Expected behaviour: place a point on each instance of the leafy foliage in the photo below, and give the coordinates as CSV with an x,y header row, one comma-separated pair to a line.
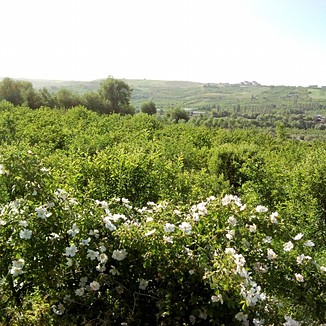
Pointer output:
x,y
110,219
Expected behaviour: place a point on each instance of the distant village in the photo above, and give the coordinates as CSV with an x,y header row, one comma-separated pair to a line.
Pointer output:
x,y
247,83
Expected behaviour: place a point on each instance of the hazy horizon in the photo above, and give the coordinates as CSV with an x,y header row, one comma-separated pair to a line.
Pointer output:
x,y
280,42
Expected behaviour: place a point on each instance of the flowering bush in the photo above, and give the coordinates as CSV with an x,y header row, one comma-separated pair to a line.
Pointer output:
x,y
215,262
72,253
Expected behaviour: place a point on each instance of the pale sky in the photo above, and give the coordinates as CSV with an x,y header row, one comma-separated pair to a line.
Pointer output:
x,y
279,42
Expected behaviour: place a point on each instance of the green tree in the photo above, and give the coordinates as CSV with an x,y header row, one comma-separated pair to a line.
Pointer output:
x,y
116,95
10,91
93,101
30,97
148,107
46,98
176,114
65,98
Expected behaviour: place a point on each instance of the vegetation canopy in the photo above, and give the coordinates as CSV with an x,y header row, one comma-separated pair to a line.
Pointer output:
x,y
156,219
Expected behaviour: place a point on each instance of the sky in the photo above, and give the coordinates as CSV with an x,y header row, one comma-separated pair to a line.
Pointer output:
x,y
273,42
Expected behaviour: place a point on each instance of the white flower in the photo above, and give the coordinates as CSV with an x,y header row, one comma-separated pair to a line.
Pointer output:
x,y
102,203
177,212
83,281
202,315
230,235
17,267
232,221
268,239
217,298
71,251
301,258
323,268
69,262
109,225
290,321
74,230
102,248
243,207
54,236
261,209
101,268
258,322
168,227
80,292
271,254
299,277
119,254
253,228
241,316
191,272
237,201
167,239
185,227
2,169
95,286
260,267
192,319
103,258
85,242
274,216
15,271
239,260
226,200
147,234
25,234
309,243
60,310
62,194
42,212
298,236
23,223
91,254
2,222
288,246
143,284
95,233
253,294
229,251
113,271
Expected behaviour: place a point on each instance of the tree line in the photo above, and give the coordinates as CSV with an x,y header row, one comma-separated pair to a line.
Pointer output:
x,y
113,96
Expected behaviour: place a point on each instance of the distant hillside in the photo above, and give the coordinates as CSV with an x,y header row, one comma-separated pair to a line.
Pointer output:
x,y
199,95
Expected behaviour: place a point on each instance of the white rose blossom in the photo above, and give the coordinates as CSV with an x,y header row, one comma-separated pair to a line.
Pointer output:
x,y
95,286
298,237
309,243
290,321
119,254
232,220
274,216
185,227
80,292
261,209
168,227
91,254
71,251
271,254
25,234
299,277
74,230
288,246
143,284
